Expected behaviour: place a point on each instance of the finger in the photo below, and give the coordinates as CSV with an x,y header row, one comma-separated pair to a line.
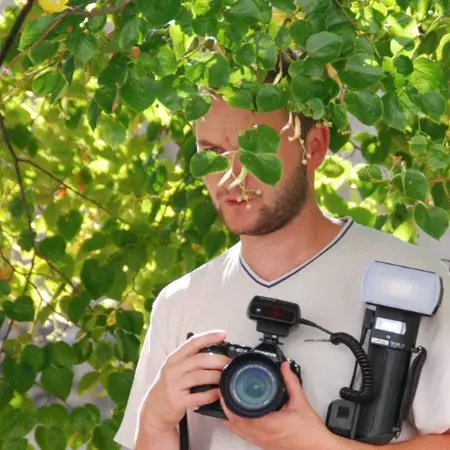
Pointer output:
x,y
202,398
292,383
209,361
200,377
195,343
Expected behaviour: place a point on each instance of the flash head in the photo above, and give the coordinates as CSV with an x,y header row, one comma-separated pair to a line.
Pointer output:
x,y
405,288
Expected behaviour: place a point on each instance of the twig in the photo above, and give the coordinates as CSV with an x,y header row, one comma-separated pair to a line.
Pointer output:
x,y
61,182
19,175
41,38
27,282
7,261
11,323
15,31
439,180
101,12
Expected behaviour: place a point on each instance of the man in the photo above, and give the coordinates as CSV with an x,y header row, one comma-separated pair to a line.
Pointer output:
x,y
288,250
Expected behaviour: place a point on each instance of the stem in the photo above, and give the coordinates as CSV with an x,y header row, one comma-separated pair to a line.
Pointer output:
x,y
61,182
19,175
15,30
101,12
439,180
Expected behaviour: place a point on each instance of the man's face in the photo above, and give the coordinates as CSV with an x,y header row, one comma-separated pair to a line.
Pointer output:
x,y
272,207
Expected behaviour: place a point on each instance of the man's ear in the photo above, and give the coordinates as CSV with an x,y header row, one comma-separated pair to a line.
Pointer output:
x,y
317,143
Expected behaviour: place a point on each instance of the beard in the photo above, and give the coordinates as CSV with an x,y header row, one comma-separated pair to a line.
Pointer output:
x,y
288,205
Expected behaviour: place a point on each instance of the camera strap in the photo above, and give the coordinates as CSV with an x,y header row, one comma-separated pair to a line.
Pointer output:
x,y
184,433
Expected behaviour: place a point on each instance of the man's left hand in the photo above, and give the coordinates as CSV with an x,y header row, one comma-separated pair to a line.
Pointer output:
x,y
294,427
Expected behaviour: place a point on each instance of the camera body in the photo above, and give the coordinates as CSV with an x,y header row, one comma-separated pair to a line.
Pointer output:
x,y
252,384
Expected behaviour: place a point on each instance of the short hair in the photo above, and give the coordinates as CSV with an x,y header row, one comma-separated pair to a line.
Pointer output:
x,y
284,61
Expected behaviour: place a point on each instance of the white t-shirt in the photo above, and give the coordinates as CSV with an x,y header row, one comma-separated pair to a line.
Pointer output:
x,y
327,289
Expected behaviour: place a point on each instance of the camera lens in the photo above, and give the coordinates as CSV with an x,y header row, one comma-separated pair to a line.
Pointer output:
x,y
253,386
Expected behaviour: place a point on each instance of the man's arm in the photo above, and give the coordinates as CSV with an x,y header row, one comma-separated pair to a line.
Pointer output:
x,y
428,442
149,441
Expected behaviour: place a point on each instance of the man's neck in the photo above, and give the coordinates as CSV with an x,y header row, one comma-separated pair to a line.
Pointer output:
x,y
273,255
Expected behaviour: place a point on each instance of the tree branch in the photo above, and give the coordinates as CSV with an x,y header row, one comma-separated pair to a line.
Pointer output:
x,y
61,182
18,174
439,180
101,12
15,30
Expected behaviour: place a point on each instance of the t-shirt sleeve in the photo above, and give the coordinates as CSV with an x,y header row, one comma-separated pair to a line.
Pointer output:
x,y
153,354
431,407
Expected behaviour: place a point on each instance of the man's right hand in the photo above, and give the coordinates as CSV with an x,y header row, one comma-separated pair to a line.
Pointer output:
x,y
169,397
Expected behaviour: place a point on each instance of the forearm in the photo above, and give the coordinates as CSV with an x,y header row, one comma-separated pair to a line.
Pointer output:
x,y
429,442
151,441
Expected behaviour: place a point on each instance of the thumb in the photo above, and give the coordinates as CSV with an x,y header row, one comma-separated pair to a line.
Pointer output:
x,y
292,383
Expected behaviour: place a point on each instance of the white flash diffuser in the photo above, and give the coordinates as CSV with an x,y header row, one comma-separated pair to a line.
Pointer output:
x,y
401,287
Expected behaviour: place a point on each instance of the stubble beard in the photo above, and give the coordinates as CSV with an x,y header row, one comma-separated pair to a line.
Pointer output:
x,y
287,207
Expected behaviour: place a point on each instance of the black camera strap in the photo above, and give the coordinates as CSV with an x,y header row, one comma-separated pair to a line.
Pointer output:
x,y
184,433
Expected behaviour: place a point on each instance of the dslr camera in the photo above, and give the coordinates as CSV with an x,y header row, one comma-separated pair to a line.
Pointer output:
x,y
252,384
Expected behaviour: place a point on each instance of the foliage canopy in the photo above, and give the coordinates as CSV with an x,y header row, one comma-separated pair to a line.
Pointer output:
x,y
95,217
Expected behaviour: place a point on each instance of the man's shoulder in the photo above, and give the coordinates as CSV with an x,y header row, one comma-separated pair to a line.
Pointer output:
x,y
209,272
380,245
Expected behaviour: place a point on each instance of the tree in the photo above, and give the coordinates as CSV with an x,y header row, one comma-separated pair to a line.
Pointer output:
x,y
95,220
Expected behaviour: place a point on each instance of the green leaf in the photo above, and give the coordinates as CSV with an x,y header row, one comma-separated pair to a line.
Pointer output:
x,y
213,242
217,71
196,106
84,46
433,105
62,354
261,139
127,346
97,279
270,98
57,381
68,69
265,166
129,33
48,83
5,289
118,385
207,162
105,98
245,10
324,46
404,65
131,321
34,30
34,356
332,169
15,444
361,71
52,248
434,220
440,196
114,133
300,32
366,106
17,424
317,108
83,419
306,67
415,185
70,224
103,437
88,381
339,116
166,257
42,51
286,6
203,216
370,173
394,113
246,54
22,310
54,415
427,75
139,94
135,257
6,394
20,376
242,99
77,307
50,438
159,12
418,145
314,6
266,51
